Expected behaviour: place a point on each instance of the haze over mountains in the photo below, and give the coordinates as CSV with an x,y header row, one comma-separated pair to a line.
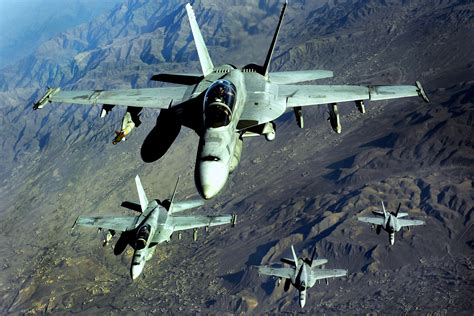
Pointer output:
x,y
306,187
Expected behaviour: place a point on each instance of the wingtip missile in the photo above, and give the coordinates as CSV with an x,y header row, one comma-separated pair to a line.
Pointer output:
x,y
46,98
421,92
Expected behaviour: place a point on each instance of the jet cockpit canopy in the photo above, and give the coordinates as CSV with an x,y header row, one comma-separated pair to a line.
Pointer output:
x,y
142,237
219,102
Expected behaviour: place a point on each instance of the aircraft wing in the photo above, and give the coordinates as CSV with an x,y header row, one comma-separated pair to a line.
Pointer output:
x,y
372,220
160,98
410,222
319,274
304,95
287,77
286,273
119,223
196,221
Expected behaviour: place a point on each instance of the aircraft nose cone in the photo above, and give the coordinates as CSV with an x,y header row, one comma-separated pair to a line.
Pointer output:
x,y
136,270
212,178
302,303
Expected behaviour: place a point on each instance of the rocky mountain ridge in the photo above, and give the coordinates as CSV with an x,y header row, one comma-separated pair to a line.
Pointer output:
x,y
305,188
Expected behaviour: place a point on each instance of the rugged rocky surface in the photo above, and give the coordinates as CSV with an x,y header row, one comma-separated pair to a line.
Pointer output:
x,y
305,188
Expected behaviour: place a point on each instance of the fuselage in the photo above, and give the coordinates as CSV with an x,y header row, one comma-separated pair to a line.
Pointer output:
x,y
152,230
301,281
232,90
391,226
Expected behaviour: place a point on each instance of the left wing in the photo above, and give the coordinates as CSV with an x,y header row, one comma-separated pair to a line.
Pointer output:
x,y
160,98
410,222
304,95
196,221
372,220
319,274
118,223
286,273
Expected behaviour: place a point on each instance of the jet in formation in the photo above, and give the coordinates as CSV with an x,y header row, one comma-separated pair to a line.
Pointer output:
x,y
225,104
302,273
155,224
390,222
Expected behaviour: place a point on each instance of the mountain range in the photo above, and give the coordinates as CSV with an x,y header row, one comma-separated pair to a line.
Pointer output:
x,y
306,188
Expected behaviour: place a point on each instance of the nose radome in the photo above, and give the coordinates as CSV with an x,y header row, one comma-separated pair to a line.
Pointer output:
x,y
137,270
212,177
302,303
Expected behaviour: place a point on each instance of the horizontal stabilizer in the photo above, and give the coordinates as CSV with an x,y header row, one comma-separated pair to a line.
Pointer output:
x,y
132,206
184,79
186,205
289,77
291,262
319,262
377,213
400,215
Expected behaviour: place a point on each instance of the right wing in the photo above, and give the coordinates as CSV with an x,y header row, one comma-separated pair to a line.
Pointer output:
x,y
372,220
410,222
319,274
304,95
196,221
288,77
160,98
118,223
286,273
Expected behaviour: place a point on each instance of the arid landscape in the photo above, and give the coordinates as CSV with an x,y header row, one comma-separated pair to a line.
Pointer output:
x,y
305,188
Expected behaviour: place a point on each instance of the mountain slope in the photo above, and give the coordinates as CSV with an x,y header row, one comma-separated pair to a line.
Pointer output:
x,y
305,188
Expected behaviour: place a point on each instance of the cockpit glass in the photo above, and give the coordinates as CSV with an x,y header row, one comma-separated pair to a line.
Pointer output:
x,y
142,237
219,102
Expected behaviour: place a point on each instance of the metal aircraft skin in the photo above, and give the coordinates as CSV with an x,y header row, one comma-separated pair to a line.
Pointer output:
x,y
302,273
225,104
390,222
154,225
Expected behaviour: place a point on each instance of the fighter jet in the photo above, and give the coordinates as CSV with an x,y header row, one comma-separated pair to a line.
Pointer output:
x,y
302,274
225,104
390,222
154,225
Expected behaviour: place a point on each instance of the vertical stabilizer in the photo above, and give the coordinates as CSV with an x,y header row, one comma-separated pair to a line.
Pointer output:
x,y
384,210
266,65
312,256
295,258
398,209
170,209
204,58
141,194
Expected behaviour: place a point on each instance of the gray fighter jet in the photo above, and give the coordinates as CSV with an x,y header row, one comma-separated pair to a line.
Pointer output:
x,y
302,274
390,222
154,225
225,104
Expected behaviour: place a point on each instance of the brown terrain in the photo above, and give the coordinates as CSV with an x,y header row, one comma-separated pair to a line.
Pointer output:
x,y
305,188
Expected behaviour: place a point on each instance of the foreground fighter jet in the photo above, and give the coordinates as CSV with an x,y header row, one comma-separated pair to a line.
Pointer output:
x,y
303,273
155,224
225,104
390,222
